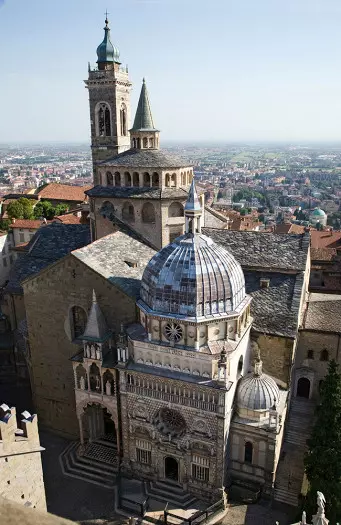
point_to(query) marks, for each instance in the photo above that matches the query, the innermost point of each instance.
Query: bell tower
(109, 98)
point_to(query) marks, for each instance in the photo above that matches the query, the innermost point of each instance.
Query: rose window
(170, 422)
(173, 332)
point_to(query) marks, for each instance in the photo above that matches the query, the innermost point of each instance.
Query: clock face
(173, 332)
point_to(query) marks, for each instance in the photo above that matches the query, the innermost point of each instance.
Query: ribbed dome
(257, 392)
(193, 277)
(106, 52)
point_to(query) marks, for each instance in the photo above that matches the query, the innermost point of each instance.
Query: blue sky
(222, 70)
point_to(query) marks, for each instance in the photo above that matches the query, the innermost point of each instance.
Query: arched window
(240, 365)
(123, 120)
(310, 354)
(155, 180)
(183, 179)
(110, 178)
(151, 143)
(95, 378)
(103, 121)
(145, 142)
(248, 452)
(138, 143)
(167, 180)
(117, 179)
(148, 213)
(176, 209)
(128, 212)
(173, 181)
(81, 378)
(324, 355)
(127, 179)
(136, 179)
(78, 320)
(146, 179)
(134, 143)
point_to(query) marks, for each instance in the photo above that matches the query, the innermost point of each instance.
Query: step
(91, 464)
(76, 467)
(183, 500)
(283, 496)
(173, 488)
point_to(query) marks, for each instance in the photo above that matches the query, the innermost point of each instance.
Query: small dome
(257, 391)
(106, 52)
(193, 277)
(318, 213)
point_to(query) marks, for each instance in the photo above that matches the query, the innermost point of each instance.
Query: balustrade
(190, 399)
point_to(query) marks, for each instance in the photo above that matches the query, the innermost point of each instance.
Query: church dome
(257, 391)
(193, 277)
(106, 51)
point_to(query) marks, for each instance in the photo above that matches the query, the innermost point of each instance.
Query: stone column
(81, 435)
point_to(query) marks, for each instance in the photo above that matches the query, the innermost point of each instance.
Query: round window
(173, 332)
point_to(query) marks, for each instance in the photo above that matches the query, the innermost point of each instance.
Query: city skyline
(263, 73)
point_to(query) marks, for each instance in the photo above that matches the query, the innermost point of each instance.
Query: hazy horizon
(217, 72)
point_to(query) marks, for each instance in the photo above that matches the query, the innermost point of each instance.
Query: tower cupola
(107, 53)
(143, 134)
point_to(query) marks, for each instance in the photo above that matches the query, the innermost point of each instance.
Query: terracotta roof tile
(64, 192)
(27, 223)
(69, 218)
(325, 239)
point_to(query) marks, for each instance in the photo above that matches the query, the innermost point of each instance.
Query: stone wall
(49, 297)
(21, 475)
(277, 355)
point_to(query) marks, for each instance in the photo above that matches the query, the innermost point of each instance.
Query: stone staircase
(173, 493)
(290, 470)
(96, 463)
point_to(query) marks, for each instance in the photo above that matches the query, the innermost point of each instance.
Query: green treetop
(20, 209)
(323, 459)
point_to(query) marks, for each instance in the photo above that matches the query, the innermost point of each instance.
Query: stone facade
(69, 283)
(21, 474)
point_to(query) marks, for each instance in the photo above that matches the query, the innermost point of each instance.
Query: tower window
(127, 179)
(78, 317)
(146, 179)
(136, 179)
(145, 142)
(310, 354)
(117, 179)
(128, 212)
(155, 180)
(123, 120)
(248, 452)
(103, 121)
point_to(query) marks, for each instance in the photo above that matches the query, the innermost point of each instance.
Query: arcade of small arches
(126, 179)
(145, 142)
(91, 379)
(148, 215)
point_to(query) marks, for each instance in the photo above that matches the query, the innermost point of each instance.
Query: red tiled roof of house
(69, 218)
(63, 192)
(323, 254)
(325, 239)
(27, 223)
(289, 228)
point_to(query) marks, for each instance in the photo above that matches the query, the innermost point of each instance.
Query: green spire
(143, 118)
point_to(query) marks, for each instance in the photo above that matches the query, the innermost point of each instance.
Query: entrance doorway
(109, 425)
(303, 387)
(171, 469)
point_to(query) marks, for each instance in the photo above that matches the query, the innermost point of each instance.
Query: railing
(175, 398)
(198, 517)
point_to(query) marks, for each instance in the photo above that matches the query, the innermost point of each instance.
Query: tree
(61, 209)
(4, 224)
(44, 209)
(20, 209)
(323, 459)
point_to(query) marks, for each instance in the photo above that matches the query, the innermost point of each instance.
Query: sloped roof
(146, 158)
(114, 257)
(264, 249)
(323, 313)
(48, 245)
(325, 239)
(63, 192)
(143, 118)
(27, 223)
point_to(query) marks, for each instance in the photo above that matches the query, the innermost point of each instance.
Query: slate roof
(131, 192)
(112, 257)
(279, 258)
(48, 245)
(264, 250)
(145, 158)
(323, 313)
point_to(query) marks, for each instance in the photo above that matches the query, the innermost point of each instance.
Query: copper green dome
(318, 213)
(106, 51)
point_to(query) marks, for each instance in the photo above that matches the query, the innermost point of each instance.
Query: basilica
(164, 343)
